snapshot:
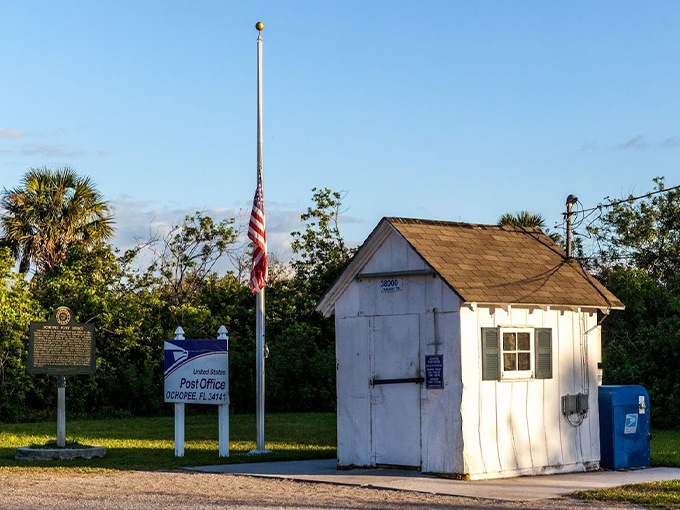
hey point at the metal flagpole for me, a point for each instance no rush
(259, 369)
(259, 303)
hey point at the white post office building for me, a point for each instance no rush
(467, 350)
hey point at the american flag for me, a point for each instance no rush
(258, 234)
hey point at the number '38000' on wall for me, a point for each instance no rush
(196, 371)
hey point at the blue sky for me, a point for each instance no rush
(451, 110)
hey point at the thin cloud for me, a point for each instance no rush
(138, 221)
(11, 133)
(53, 132)
(673, 141)
(41, 149)
(346, 218)
(588, 146)
(637, 142)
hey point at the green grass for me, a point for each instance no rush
(665, 452)
(653, 495)
(148, 443)
(666, 448)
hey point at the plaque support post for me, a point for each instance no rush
(61, 411)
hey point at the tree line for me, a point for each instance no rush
(57, 226)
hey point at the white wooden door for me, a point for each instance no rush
(395, 396)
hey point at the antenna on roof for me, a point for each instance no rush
(571, 200)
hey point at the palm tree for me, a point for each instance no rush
(50, 212)
(522, 219)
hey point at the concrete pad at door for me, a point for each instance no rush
(509, 489)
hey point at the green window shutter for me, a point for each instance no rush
(490, 355)
(544, 354)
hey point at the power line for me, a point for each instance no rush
(582, 215)
(630, 199)
(582, 212)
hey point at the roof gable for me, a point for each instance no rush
(488, 264)
(326, 304)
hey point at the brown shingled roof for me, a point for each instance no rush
(492, 264)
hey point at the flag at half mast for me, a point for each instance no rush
(258, 234)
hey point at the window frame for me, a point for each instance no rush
(517, 374)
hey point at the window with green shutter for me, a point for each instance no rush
(543, 353)
(490, 355)
(516, 353)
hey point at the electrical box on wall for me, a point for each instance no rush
(568, 404)
(582, 402)
(575, 404)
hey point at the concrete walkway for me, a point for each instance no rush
(525, 488)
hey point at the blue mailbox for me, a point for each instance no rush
(624, 426)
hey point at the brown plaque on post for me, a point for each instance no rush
(61, 346)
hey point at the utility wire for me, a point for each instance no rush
(631, 199)
(582, 212)
(582, 215)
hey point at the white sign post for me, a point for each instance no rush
(197, 372)
(223, 409)
(179, 411)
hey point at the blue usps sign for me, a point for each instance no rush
(196, 371)
(631, 424)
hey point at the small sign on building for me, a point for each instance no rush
(434, 372)
(391, 285)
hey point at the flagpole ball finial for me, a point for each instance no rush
(260, 26)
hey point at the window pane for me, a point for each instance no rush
(509, 361)
(523, 343)
(524, 361)
(509, 342)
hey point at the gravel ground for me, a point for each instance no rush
(48, 490)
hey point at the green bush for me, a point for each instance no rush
(135, 309)
(133, 316)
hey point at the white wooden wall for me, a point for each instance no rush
(481, 428)
(515, 428)
(441, 435)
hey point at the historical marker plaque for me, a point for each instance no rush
(434, 372)
(61, 346)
